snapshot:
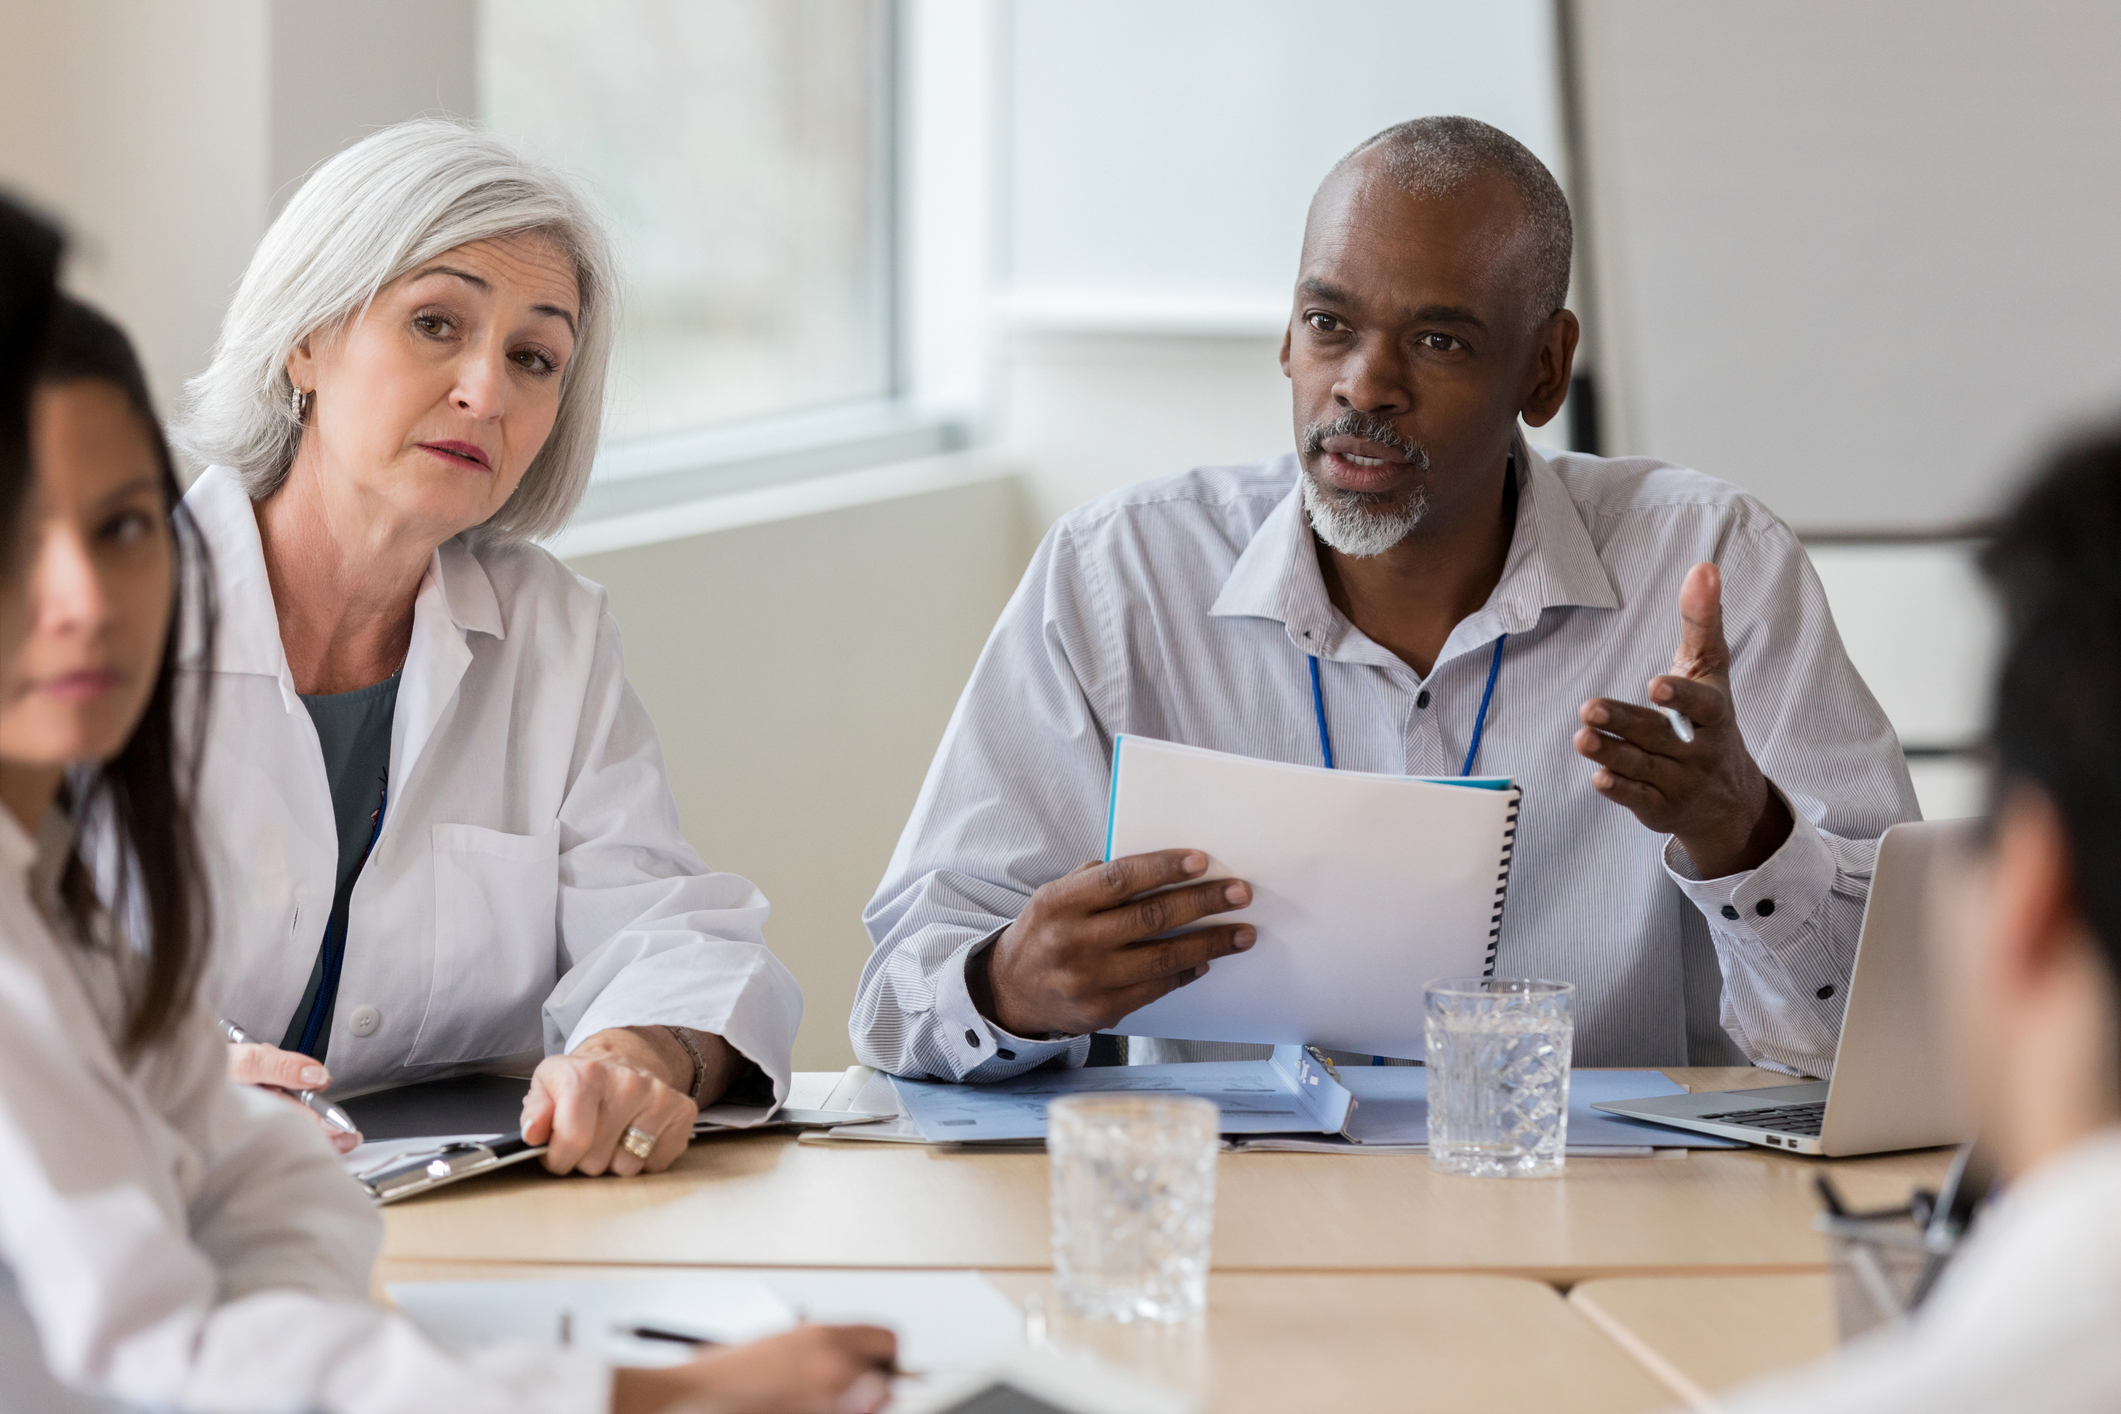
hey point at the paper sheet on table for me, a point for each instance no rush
(1392, 1110)
(1290, 1091)
(947, 1322)
(1365, 888)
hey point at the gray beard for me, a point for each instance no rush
(1362, 524)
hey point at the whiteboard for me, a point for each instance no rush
(1859, 258)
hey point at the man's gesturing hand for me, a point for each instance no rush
(1707, 792)
(1083, 953)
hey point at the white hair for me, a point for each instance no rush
(381, 208)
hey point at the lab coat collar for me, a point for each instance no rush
(247, 633)
(1552, 563)
(456, 599)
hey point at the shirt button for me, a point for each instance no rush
(1421, 699)
(1825, 992)
(365, 1020)
(1764, 907)
(1730, 913)
(971, 1037)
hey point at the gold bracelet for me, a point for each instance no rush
(699, 1062)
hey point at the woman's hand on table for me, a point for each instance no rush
(582, 1104)
(255, 1063)
(809, 1370)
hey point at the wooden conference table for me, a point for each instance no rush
(1371, 1271)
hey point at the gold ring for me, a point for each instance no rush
(638, 1142)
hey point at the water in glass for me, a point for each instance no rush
(1498, 1057)
(1133, 1204)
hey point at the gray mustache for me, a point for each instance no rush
(1356, 423)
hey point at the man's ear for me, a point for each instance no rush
(1287, 332)
(1552, 362)
(2035, 923)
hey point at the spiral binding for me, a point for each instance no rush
(1502, 880)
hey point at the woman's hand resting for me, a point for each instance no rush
(254, 1063)
(581, 1105)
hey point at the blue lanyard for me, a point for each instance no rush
(1480, 723)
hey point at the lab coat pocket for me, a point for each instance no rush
(496, 943)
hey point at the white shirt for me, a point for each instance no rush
(1186, 609)
(169, 1240)
(529, 886)
(2028, 1316)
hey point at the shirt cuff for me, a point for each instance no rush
(1771, 903)
(978, 1049)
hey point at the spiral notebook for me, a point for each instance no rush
(1365, 888)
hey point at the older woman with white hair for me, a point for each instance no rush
(445, 840)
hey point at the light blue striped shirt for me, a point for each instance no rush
(1185, 609)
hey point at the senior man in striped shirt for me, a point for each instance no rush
(1704, 896)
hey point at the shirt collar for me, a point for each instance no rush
(247, 629)
(1552, 563)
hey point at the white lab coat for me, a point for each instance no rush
(171, 1241)
(529, 886)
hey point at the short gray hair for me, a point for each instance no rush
(392, 201)
(1440, 156)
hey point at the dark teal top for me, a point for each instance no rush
(353, 728)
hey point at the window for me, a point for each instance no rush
(741, 151)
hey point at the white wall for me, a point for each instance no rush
(801, 669)
(337, 72)
(144, 128)
(164, 136)
(1858, 257)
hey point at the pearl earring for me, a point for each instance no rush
(298, 403)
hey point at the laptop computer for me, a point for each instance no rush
(1889, 1088)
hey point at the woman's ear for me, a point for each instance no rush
(302, 367)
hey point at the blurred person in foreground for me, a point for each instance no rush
(168, 1239)
(445, 839)
(2028, 1316)
(1414, 591)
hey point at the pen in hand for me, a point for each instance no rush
(325, 1109)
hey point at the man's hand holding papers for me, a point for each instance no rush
(1086, 950)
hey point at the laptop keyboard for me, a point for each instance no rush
(1781, 1119)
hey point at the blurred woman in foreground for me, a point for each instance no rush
(168, 1239)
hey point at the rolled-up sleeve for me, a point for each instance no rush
(649, 934)
(1785, 932)
(1012, 801)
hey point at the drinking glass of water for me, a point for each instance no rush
(1133, 1204)
(1498, 1059)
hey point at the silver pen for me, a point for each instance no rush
(325, 1109)
(1682, 725)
